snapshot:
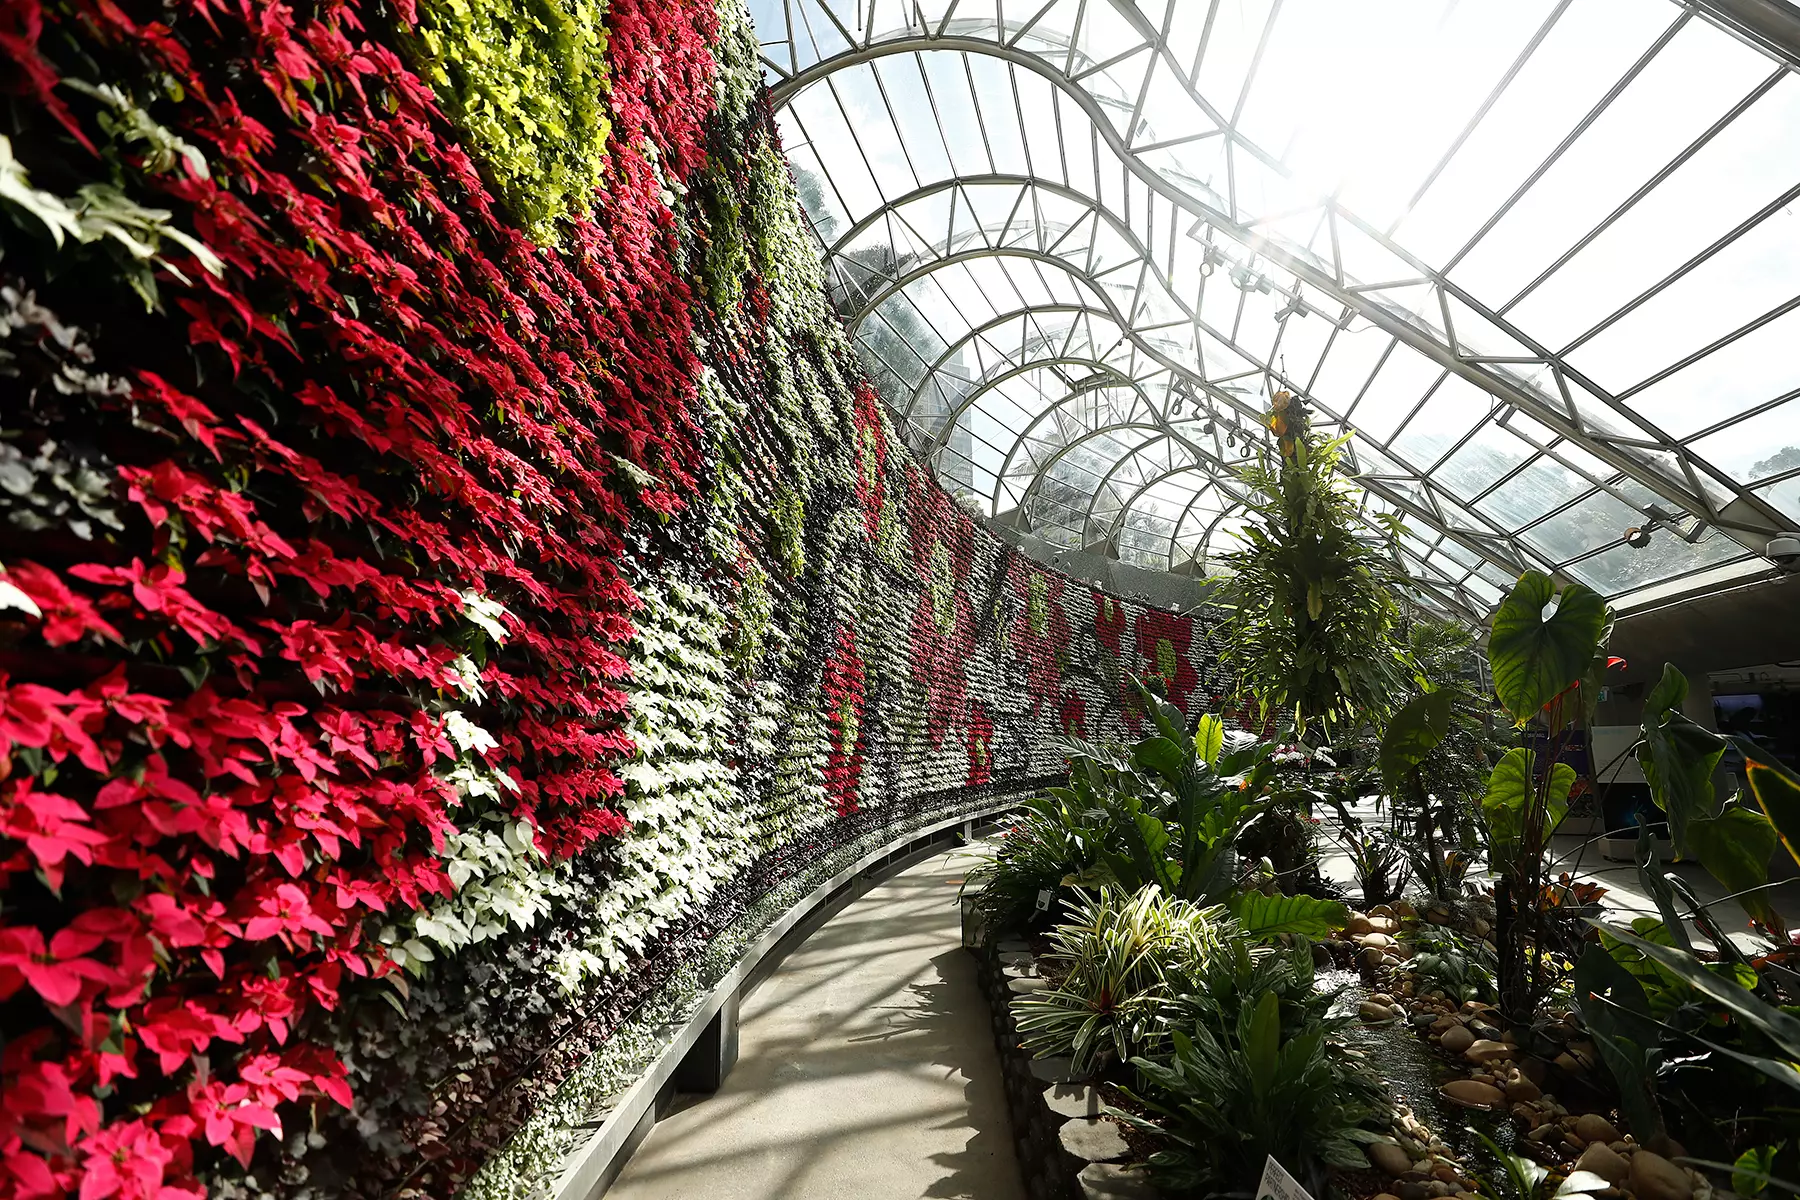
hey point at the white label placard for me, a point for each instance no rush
(1045, 896)
(1277, 1184)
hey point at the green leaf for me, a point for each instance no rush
(1415, 732)
(1262, 1048)
(1780, 1027)
(1209, 739)
(1263, 916)
(1678, 757)
(1160, 755)
(1622, 1030)
(1777, 793)
(1750, 1173)
(1511, 797)
(1534, 660)
(1655, 879)
(1735, 847)
(1503, 806)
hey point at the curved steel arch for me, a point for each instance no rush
(941, 437)
(1017, 314)
(1483, 545)
(1519, 554)
(1057, 455)
(1050, 411)
(1748, 516)
(1089, 521)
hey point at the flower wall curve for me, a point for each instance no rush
(434, 603)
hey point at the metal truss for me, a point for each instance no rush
(1076, 248)
(1143, 238)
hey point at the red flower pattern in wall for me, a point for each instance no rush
(843, 689)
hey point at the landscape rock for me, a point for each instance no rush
(1486, 1050)
(1072, 1100)
(1024, 987)
(1371, 956)
(1108, 1181)
(1414, 1191)
(1358, 925)
(1368, 1010)
(1092, 1139)
(1521, 1090)
(1604, 1162)
(1380, 941)
(1473, 1093)
(1592, 1127)
(1055, 1070)
(1654, 1177)
(1456, 1039)
(1389, 1159)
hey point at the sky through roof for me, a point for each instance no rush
(1541, 257)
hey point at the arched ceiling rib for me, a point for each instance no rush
(1546, 302)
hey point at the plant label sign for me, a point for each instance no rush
(1044, 897)
(1277, 1184)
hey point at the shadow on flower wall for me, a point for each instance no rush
(417, 639)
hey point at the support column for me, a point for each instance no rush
(713, 1056)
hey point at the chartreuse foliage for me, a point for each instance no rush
(527, 80)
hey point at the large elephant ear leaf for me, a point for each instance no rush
(1508, 794)
(1735, 848)
(1534, 660)
(1414, 732)
(1777, 793)
(1678, 758)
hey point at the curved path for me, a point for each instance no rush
(866, 1069)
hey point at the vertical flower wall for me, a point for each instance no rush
(452, 561)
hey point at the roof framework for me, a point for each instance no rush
(1541, 260)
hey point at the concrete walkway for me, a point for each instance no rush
(866, 1070)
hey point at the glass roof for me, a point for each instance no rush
(1541, 258)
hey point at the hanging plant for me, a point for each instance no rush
(1314, 626)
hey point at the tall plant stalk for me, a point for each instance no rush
(1546, 669)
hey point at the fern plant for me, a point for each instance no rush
(1315, 630)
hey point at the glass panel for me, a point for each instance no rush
(1747, 164)
(1784, 494)
(1623, 568)
(1594, 521)
(1531, 493)
(1691, 82)
(1756, 447)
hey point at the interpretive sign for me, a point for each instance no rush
(1277, 1184)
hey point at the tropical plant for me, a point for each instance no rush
(1686, 1039)
(1733, 840)
(1315, 627)
(1545, 669)
(1381, 861)
(1118, 956)
(1227, 1099)
(1522, 1179)
(1180, 802)
(1056, 838)
(1461, 967)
